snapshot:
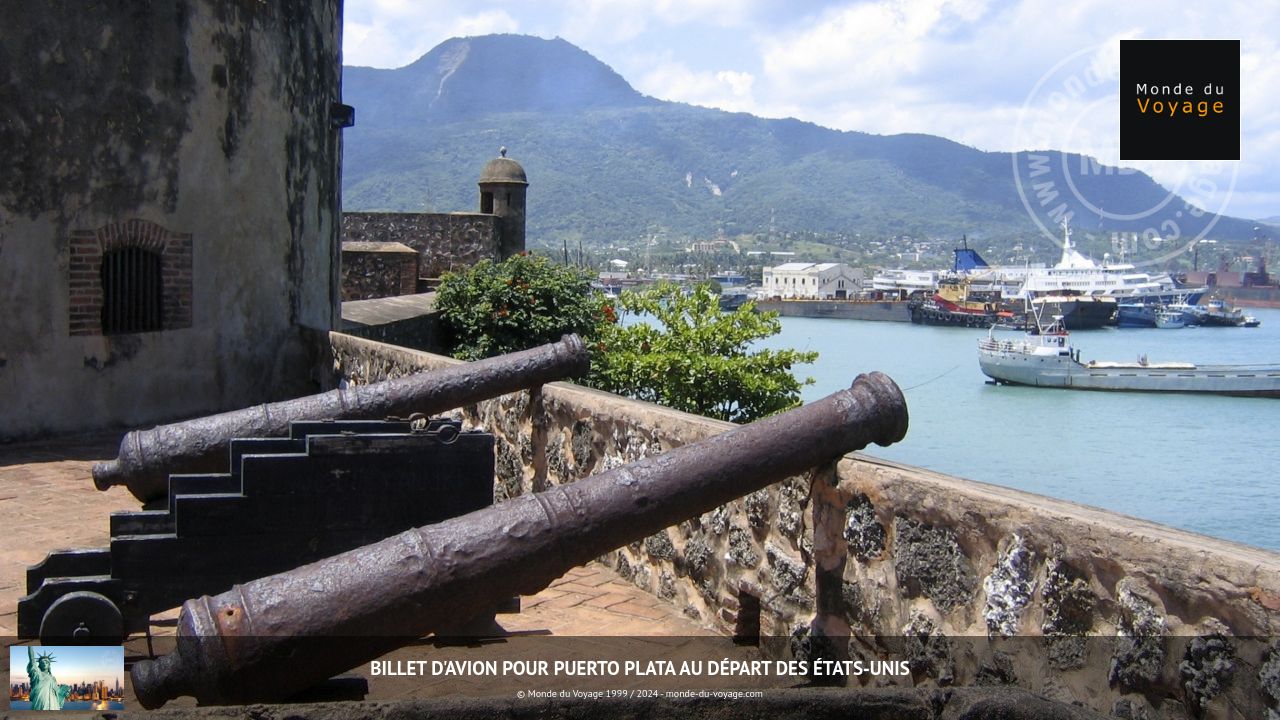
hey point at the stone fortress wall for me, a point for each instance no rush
(373, 270)
(169, 208)
(447, 241)
(868, 559)
(444, 241)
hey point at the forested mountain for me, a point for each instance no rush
(607, 164)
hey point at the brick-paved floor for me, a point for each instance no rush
(48, 502)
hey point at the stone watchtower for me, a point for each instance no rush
(502, 191)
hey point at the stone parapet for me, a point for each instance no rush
(444, 241)
(868, 559)
(373, 270)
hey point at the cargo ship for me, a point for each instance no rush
(1246, 289)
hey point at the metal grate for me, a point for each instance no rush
(132, 291)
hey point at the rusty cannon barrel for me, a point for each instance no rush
(148, 457)
(257, 641)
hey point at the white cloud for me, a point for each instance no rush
(740, 82)
(864, 48)
(724, 89)
(957, 68)
(484, 23)
(394, 33)
(596, 23)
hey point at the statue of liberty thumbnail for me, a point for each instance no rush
(46, 693)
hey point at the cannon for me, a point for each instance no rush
(147, 457)
(329, 487)
(273, 637)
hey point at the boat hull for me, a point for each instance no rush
(929, 313)
(1078, 313)
(1218, 320)
(1266, 296)
(1062, 371)
(876, 310)
(1136, 316)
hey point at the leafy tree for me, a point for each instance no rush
(685, 353)
(494, 308)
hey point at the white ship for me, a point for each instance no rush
(905, 282)
(1046, 359)
(1078, 274)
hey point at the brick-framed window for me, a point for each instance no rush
(123, 260)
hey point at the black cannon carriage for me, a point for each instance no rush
(328, 487)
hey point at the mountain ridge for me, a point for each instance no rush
(607, 163)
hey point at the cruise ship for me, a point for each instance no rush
(1077, 275)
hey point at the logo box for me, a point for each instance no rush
(1180, 99)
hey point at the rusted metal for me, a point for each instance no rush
(258, 641)
(148, 457)
(331, 486)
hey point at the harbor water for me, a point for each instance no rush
(1201, 463)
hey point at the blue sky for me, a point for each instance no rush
(967, 70)
(73, 665)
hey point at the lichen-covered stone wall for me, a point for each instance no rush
(208, 119)
(444, 241)
(865, 559)
(759, 545)
(982, 584)
(378, 270)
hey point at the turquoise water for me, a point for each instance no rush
(1205, 464)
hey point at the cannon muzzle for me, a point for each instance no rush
(251, 643)
(148, 457)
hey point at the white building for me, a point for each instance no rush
(822, 281)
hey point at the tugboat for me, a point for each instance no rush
(1216, 314)
(956, 304)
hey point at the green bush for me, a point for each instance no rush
(682, 351)
(524, 301)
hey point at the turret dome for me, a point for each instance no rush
(503, 169)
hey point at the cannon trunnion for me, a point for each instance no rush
(327, 488)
